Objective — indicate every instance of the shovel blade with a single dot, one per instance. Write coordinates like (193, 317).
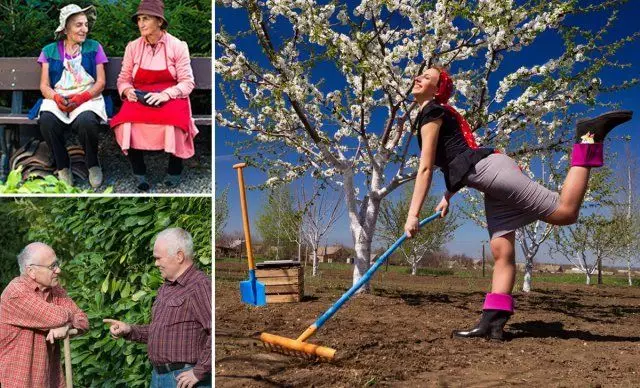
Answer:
(252, 291)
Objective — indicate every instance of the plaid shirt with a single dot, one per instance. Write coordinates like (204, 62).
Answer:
(27, 312)
(180, 329)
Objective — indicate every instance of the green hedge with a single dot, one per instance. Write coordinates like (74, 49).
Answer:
(105, 246)
(26, 26)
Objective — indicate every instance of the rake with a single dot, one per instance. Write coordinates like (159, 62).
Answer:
(298, 347)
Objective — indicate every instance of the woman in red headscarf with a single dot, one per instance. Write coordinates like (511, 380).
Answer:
(512, 199)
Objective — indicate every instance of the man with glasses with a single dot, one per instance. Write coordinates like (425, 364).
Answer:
(179, 336)
(34, 312)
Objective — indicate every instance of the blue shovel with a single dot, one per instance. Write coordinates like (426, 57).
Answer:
(251, 291)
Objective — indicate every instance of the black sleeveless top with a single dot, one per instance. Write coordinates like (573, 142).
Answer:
(453, 155)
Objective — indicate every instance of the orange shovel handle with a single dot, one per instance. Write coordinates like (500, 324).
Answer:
(245, 214)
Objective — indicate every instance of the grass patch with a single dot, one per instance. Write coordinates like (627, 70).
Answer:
(577, 278)
(432, 271)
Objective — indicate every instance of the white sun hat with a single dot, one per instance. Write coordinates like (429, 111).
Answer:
(73, 9)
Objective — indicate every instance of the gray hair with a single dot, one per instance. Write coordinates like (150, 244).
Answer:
(177, 239)
(25, 257)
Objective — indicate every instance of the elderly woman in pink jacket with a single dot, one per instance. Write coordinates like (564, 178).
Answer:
(154, 84)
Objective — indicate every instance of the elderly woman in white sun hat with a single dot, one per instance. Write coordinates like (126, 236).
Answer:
(71, 83)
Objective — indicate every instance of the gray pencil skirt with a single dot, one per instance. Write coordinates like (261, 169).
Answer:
(511, 199)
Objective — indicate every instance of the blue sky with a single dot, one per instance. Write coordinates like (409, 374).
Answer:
(469, 236)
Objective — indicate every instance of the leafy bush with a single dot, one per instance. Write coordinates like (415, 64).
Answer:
(12, 240)
(105, 246)
(48, 185)
(34, 22)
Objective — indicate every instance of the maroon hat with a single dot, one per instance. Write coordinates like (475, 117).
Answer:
(152, 8)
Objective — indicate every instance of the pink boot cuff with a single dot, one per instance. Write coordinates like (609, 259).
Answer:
(587, 155)
(503, 302)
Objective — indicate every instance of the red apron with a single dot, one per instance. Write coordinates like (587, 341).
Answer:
(176, 111)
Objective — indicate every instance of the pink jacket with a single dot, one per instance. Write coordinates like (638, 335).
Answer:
(179, 63)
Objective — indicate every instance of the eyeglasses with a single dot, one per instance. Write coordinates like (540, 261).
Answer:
(55, 265)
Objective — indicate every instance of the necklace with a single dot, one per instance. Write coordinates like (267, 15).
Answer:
(73, 52)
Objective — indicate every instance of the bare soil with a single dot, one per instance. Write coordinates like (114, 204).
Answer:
(562, 335)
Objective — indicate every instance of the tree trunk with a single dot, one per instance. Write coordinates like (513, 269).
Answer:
(599, 270)
(588, 277)
(314, 253)
(362, 227)
(528, 274)
(629, 198)
(306, 254)
(299, 252)
(414, 267)
(362, 263)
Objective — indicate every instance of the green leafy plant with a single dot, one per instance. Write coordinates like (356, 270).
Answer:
(105, 247)
(34, 185)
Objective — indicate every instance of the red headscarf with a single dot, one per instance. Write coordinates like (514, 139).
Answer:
(445, 89)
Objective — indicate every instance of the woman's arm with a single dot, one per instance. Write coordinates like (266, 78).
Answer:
(184, 73)
(429, 133)
(125, 78)
(98, 86)
(45, 85)
(48, 92)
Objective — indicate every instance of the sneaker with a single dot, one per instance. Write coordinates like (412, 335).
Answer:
(172, 180)
(95, 176)
(595, 130)
(143, 184)
(66, 176)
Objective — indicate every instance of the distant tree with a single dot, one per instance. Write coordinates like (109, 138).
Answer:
(629, 205)
(431, 237)
(320, 215)
(221, 212)
(278, 221)
(588, 242)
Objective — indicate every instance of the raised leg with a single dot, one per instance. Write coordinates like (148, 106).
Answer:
(587, 153)
(571, 196)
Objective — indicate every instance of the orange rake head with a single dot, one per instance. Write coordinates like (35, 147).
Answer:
(298, 348)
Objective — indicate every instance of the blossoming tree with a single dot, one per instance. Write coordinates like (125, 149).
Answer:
(328, 91)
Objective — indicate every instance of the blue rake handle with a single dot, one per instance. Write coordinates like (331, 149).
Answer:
(365, 278)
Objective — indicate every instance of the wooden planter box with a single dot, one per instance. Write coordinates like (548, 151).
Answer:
(283, 280)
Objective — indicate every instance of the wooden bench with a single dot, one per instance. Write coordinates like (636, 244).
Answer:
(23, 74)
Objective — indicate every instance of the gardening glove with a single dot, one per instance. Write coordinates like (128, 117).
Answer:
(79, 99)
(63, 103)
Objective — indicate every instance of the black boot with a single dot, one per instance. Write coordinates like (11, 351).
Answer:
(490, 326)
(597, 128)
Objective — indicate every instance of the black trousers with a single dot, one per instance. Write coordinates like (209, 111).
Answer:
(136, 157)
(86, 125)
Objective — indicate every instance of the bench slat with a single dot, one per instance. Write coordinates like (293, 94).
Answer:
(18, 119)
